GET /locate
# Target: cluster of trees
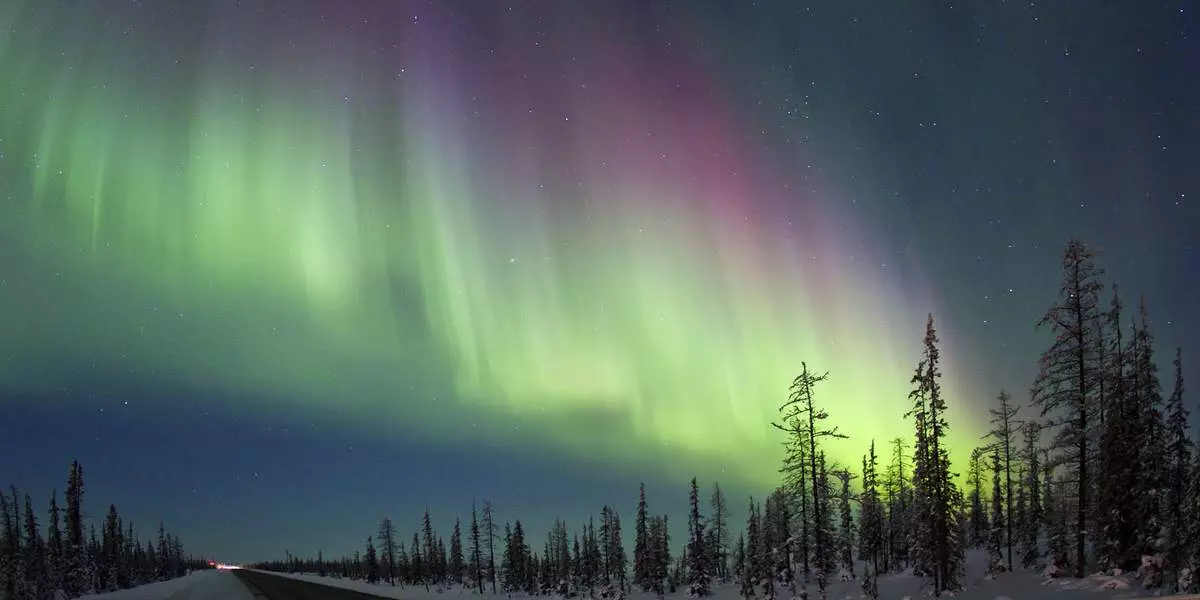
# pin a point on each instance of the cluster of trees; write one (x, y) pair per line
(1119, 475)
(1117, 469)
(60, 562)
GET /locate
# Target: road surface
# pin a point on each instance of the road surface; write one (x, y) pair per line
(273, 587)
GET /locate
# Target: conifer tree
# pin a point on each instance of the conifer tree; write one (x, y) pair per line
(752, 555)
(417, 561)
(995, 557)
(1070, 373)
(871, 521)
(54, 546)
(76, 579)
(387, 550)
(1146, 393)
(36, 581)
(719, 526)
(1119, 450)
(371, 565)
(801, 420)
(977, 517)
(741, 569)
(1030, 552)
(936, 539)
(617, 561)
(642, 571)
(489, 532)
(1179, 463)
(795, 471)
(824, 556)
(698, 575)
(1003, 415)
(457, 564)
(900, 508)
(1020, 518)
(1179, 466)
(846, 531)
(476, 562)
(11, 569)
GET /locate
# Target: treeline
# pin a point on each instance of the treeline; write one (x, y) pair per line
(63, 562)
(1101, 476)
(1116, 486)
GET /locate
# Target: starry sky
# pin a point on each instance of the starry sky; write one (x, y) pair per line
(274, 269)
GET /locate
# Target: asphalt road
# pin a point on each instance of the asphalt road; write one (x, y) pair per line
(273, 587)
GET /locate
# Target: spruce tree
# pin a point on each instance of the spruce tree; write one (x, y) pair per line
(719, 526)
(1179, 463)
(1119, 450)
(979, 529)
(698, 575)
(54, 547)
(846, 531)
(417, 565)
(1003, 415)
(1030, 552)
(1020, 518)
(936, 540)
(457, 564)
(476, 567)
(36, 579)
(900, 508)
(617, 561)
(642, 572)
(995, 536)
(1146, 393)
(387, 550)
(752, 556)
(740, 568)
(76, 578)
(489, 532)
(1070, 373)
(371, 564)
(870, 525)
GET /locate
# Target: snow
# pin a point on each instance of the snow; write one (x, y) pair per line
(201, 585)
(1018, 585)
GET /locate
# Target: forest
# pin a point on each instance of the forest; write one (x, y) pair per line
(61, 562)
(1097, 472)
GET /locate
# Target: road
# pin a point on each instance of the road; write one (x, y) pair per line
(273, 587)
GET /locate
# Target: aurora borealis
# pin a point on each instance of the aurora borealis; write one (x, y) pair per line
(602, 232)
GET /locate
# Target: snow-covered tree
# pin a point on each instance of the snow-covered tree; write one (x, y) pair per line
(995, 536)
(1031, 532)
(1070, 373)
(718, 525)
(698, 573)
(977, 515)
(371, 563)
(643, 573)
(1003, 429)
(1178, 464)
(457, 564)
(845, 538)
(801, 421)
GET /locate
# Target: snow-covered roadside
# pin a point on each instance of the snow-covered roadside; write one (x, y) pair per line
(201, 585)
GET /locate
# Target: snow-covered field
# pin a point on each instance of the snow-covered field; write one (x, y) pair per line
(1021, 585)
(201, 585)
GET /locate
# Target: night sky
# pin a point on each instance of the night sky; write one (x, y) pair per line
(273, 270)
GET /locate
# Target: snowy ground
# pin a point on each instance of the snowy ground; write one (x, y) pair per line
(201, 585)
(1021, 585)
